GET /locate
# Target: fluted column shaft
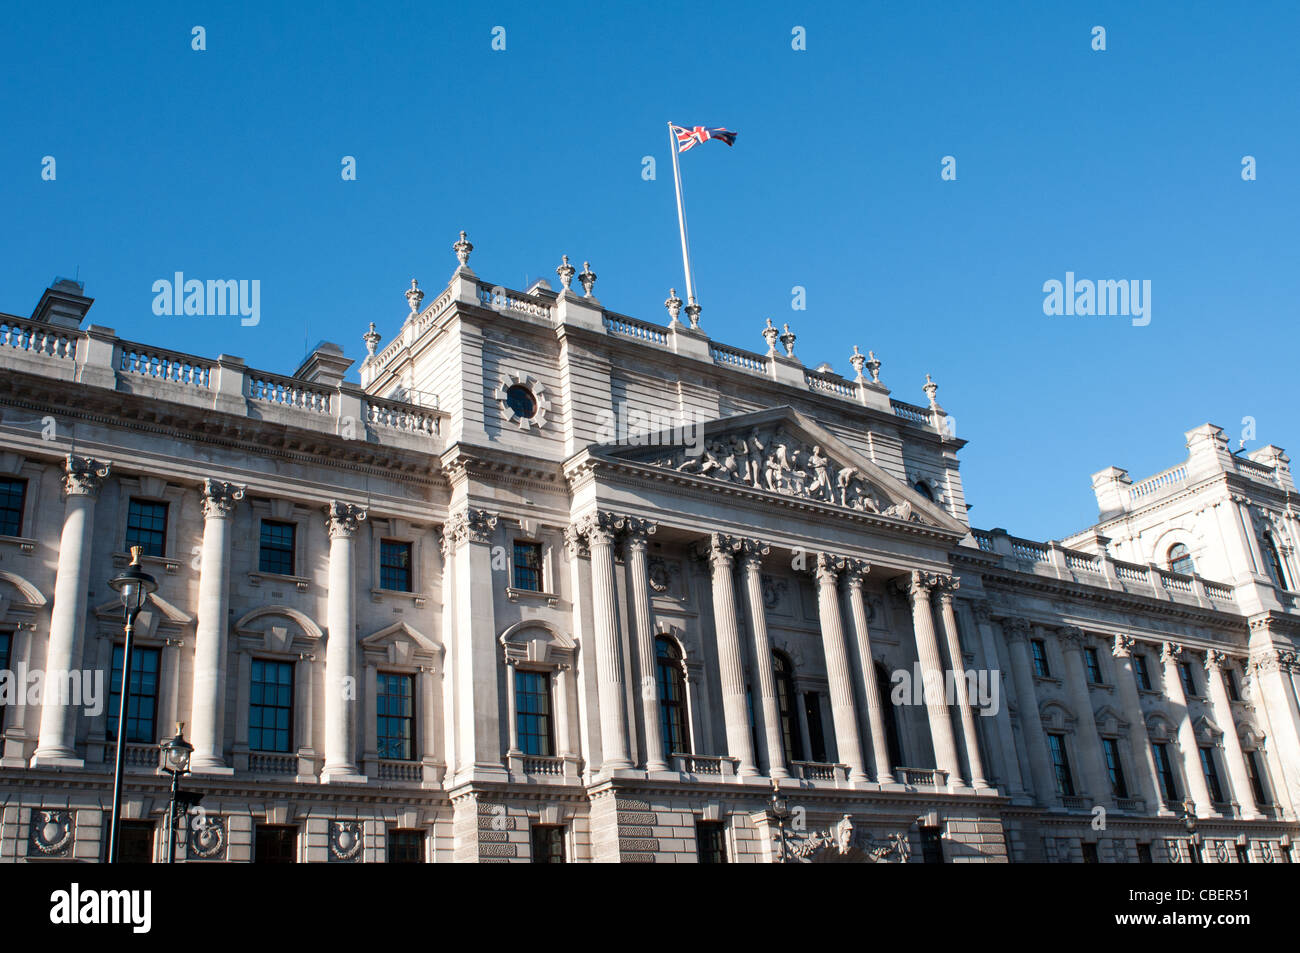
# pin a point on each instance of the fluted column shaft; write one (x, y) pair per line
(871, 690)
(1031, 723)
(735, 709)
(207, 710)
(1197, 788)
(932, 676)
(1241, 789)
(969, 733)
(600, 529)
(638, 570)
(1088, 741)
(843, 712)
(1139, 740)
(81, 482)
(341, 647)
(752, 567)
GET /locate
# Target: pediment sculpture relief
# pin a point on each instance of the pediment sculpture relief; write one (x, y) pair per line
(844, 843)
(781, 463)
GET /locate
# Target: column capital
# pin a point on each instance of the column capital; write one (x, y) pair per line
(829, 567)
(982, 611)
(575, 542)
(720, 549)
(855, 571)
(1170, 652)
(1122, 646)
(752, 552)
(83, 476)
(601, 526)
(917, 585)
(219, 498)
(1215, 660)
(343, 518)
(1073, 637)
(1016, 629)
(1272, 660)
(945, 587)
(637, 531)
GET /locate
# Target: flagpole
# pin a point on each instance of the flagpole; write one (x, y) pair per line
(681, 219)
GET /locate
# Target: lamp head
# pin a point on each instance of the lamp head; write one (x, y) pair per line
(175, 752)
(133, 584)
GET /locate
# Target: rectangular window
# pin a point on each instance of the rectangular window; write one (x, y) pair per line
(548, 843)
(12, 495)
(533, 712)
(1254, 771)
(1165, 771)
(816, 737)
(710, 842)
(1230, 680)
(1090, 853)
(6, 649)
(1144, 853)
(528, 566)
(931, 846)
(1243, 854)
(135, 841)
(1041, 668)
(146, 526)
(1211, 770)
(276, 551)
(405, 846)
(395, 709)
(275, 844)
(1094, 666)
(1143, 673)
(394, 565)
(270, 706)
(1189, 681)
(1114, 767)
(141, 714)
(1061, 765)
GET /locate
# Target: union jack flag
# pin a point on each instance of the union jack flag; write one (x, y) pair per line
(695, 135)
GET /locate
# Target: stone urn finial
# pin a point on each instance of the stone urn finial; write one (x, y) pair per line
(565, 271)
(372, 339)
(857, 359)
(873, 367)
(462, 249)
(931, 388)
(674, 305)
(693, 313)
(787, 340)
(587, 278)
(770, 335)
(414, 296)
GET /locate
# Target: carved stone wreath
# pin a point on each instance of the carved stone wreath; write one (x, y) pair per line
(51, 833)
(535, 387)
(345, 841)
(207, 837)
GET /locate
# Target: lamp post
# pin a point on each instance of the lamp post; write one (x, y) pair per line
(174, 755)
(1189, 821)
(780, 810)
(134, 585)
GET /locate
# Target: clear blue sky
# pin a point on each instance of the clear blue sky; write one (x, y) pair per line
(1117, 164)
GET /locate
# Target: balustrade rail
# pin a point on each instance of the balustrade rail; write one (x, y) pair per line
(39, 339)
(160, 364)
(287, 392)
(631, 327)
(737, 357)
(917, 415)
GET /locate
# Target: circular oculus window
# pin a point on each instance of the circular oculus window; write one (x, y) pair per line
(521, 401)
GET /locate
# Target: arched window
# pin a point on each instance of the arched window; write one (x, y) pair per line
(785, 699)
(672, 696)
(924, 489)
(1180, 560)
(891, 723)
(1274, 561)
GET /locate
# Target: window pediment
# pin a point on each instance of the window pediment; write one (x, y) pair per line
(278, 628)
(537, 643)
(401, 644)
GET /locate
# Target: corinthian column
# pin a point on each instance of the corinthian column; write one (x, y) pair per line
(636, 533)
(843, 713)
(1139, 740)
(751, 564)
(341, 647)
(1197, 788)
(600, 529)
(932, 676)
(1231, 743)
(855, 570)
(207, 711)
(969, 734)
(1031, 723)
(81, 482)
(735, 709)
(1095, 776)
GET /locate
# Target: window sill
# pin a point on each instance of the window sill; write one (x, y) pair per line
(531, 595)
(1051, 679)
(170, 566)
(419, 598)
(257, 578)
(25, 545)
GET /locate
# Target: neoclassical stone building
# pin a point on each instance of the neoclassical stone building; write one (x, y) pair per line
(555, 583)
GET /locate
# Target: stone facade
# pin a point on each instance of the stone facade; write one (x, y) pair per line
(602, 594)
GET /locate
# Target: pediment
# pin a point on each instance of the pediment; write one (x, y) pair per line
(402, 644)
(780, 452)
(155, 606)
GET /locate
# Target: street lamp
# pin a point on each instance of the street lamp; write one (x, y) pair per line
(780, 810)
(1189, 821)
(134, 585)
(174, 755)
